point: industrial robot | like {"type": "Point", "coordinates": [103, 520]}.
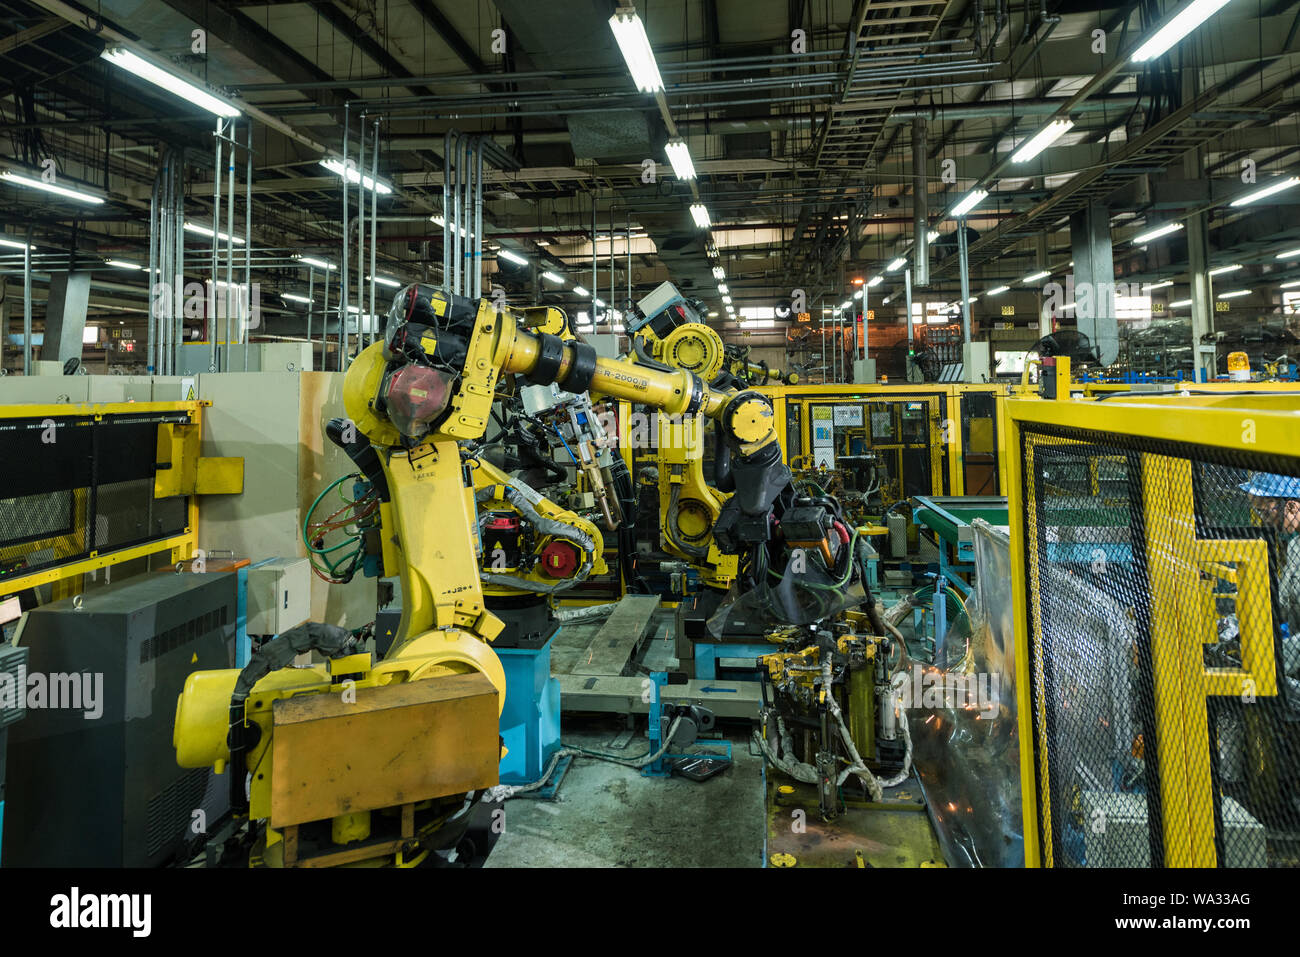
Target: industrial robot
{"type": "Point", "coordinates": [357, 761]}
{"type": "Point", "coordinates": [667, 332]}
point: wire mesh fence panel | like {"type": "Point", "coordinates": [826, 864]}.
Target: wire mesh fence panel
{"type": "Point", "coordinates": [1164, 600]}
{"type": "Point", "coordinates": [75, 486]}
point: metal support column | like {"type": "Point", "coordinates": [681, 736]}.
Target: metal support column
{"type": "Point", "coordinates": [361, 226]}
{"type": "Point", "coordinates": [374, 227]}
{"type": "Point", "coordinates": [27, 303]}
{"type": "Point", "coordinates": [343, 267]}
{"type": "Point", "coordinates": [920, 206]}
{"type": "Point", "coordinates": [216, 228]}
{"type": "Point", "coordinates": [311, 304]}
{"type": "Point", "coordinates": [965, 279]}
{"type": "Point", "coordinates": [246, 299]}
{"type": "Point", "coordinates": [230, 249]}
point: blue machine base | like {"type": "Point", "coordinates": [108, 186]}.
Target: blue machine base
{"type": "Point", "coordinates": [530, 723]}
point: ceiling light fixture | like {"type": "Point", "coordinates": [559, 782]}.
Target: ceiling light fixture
{"type": "Point", "coordinates": [336, 167]}
{"type": "Point", "coordinates": [680, 156]}
{"type": "Point", "coordinates": [166, 80]}
{"type": "Point", "coordinates": [1156, 233]}
{"type": "Point", "coordinates": [1269, 190]}
{"type": "Point", "coordinates": [18, 179]}
{"type": "Point", "coordinates": [630, 33]}
{"type": "Point", "coordinates": [1041, 140]}
{"type": "Point", "coordinates": [969, 202]}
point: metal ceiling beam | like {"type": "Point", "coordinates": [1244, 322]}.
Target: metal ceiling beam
{"type": "Point", "coordinates": [23, 37]}
{"type": "Point", "coordinates": [240, 32]}
{"type": "Point", "coordinates": [366, 43]}
{"type": "Point", "coordinates": [450, 36]}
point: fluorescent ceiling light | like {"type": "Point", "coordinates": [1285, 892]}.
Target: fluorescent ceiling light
{"type": "Point", "coordinates": [166, 80]}
{"type": "Point", "coordinates": [207, 231]}
{"type": "Point", "coordinates": [1184, 22]}
{"type": "Point", "coordinates": [1181, 303]}
{"type": "Point", "coordinates": [385, 281]}
{"type": "Point", "coordinates": [845, 305]}
{"type": "Point", "coordinates": [680, 156]}
{"type": "Point", "coordinates": [601, 303]}
{"type": "Point", "coordinates": [722, 288]}
{"type": "Point", "coordinates": [553, 277]}
{"type": "Point", "coordinates": [973, 299]}
{"type": "Point", "coordinates": [20, 180]}
{"type": "Point", "coordinates": [720, 273]}
{"type": "Point", "coordinates": [12, 244]}
{"type": "Point", "coordinates": [726, 300]}
{"type": "Point", "coordinates": [885, 301]}
{"type": "Point", "coordinates": [1160, 285]}
{"type": "Point", "coordinates": [858, 294]}
{"type": "Point", "coordinates": [1292, 284]}
{"type": "Point", "coordinates": [1234, 294]}
{"type": "Point", "coordinates": [897, 264]}
{"type": "Point", "coordinates": [1156, 233]}
{"type": "Point", "coordinates": [630, 33]}
{"type": "Point", "coordinates": [969, 202]}
{"type": "Point", "coordinates": [336, 167]}
{"type": "Point", "coordinates": [121, 264]}
{"type": "Point", "coordinates": [876, 281]}
{"type": "Point", "coordinates": [700, 215]}
{"type": "Point", "coordinates": [1041, 140]}
{"type": "Point", "coordinates": [435, 218]}
{"type": "Point", "coordinates": [932, 235]}
{"type": "Point", "coordinates": [511, 257]}
{"type": "Point", "coordinates": [1289, 254]}
{"type": "Point", "coordinates": [1269, 190]}
{"type": "Point", "coordinates": [580, 291]}
{"type": "Point", "coordinates": [294, 297]}
{"type": "Point", "coordinates": [316, 263]}
{"type": "Point", "coordinates": [1222, 269]}
{"type": "Point", "coordinates": [997, 290]}
{"type": "Point", "coordinates": [713, 315]}
{"type": "Point", "coordinates": [1034, 277]}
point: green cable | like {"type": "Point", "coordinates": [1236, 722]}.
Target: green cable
{"type": "Point", "coordinates": [332, 566]}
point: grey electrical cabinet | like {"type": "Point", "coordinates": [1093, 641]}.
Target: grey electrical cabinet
{"type": "Point", "coordinates": [93, 779]}
{"type": "Point", "coordinates": [279, 595]}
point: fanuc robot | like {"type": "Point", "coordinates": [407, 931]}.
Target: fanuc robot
{"type": "Point", "coordinates": [668, 333]}
{"type": "Point", "coordinates": [368, 762]}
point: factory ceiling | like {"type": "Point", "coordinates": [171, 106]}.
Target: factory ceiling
{"type": "Point", "coordinates": [799, 114]}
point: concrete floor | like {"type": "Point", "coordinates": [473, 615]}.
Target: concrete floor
{"type": "Point", "coordinates": [606, 815]}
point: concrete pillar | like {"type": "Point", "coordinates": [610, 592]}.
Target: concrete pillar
{"type": "Point", "coordinates": [1198, 240]}
{"type": "Point", "coordinates": [1094, 280]}
{"type": "Point", "coordinates": [1040, 263]}
{"type": "Point", "coordinates": [65, 315]}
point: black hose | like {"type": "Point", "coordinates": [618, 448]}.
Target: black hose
{"type": "Point", "coordinates": [723, 480]}
{"type": "Point", "coordinates": [330, 640]}
{"type": "Point", "coordinates": [625, 492]}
